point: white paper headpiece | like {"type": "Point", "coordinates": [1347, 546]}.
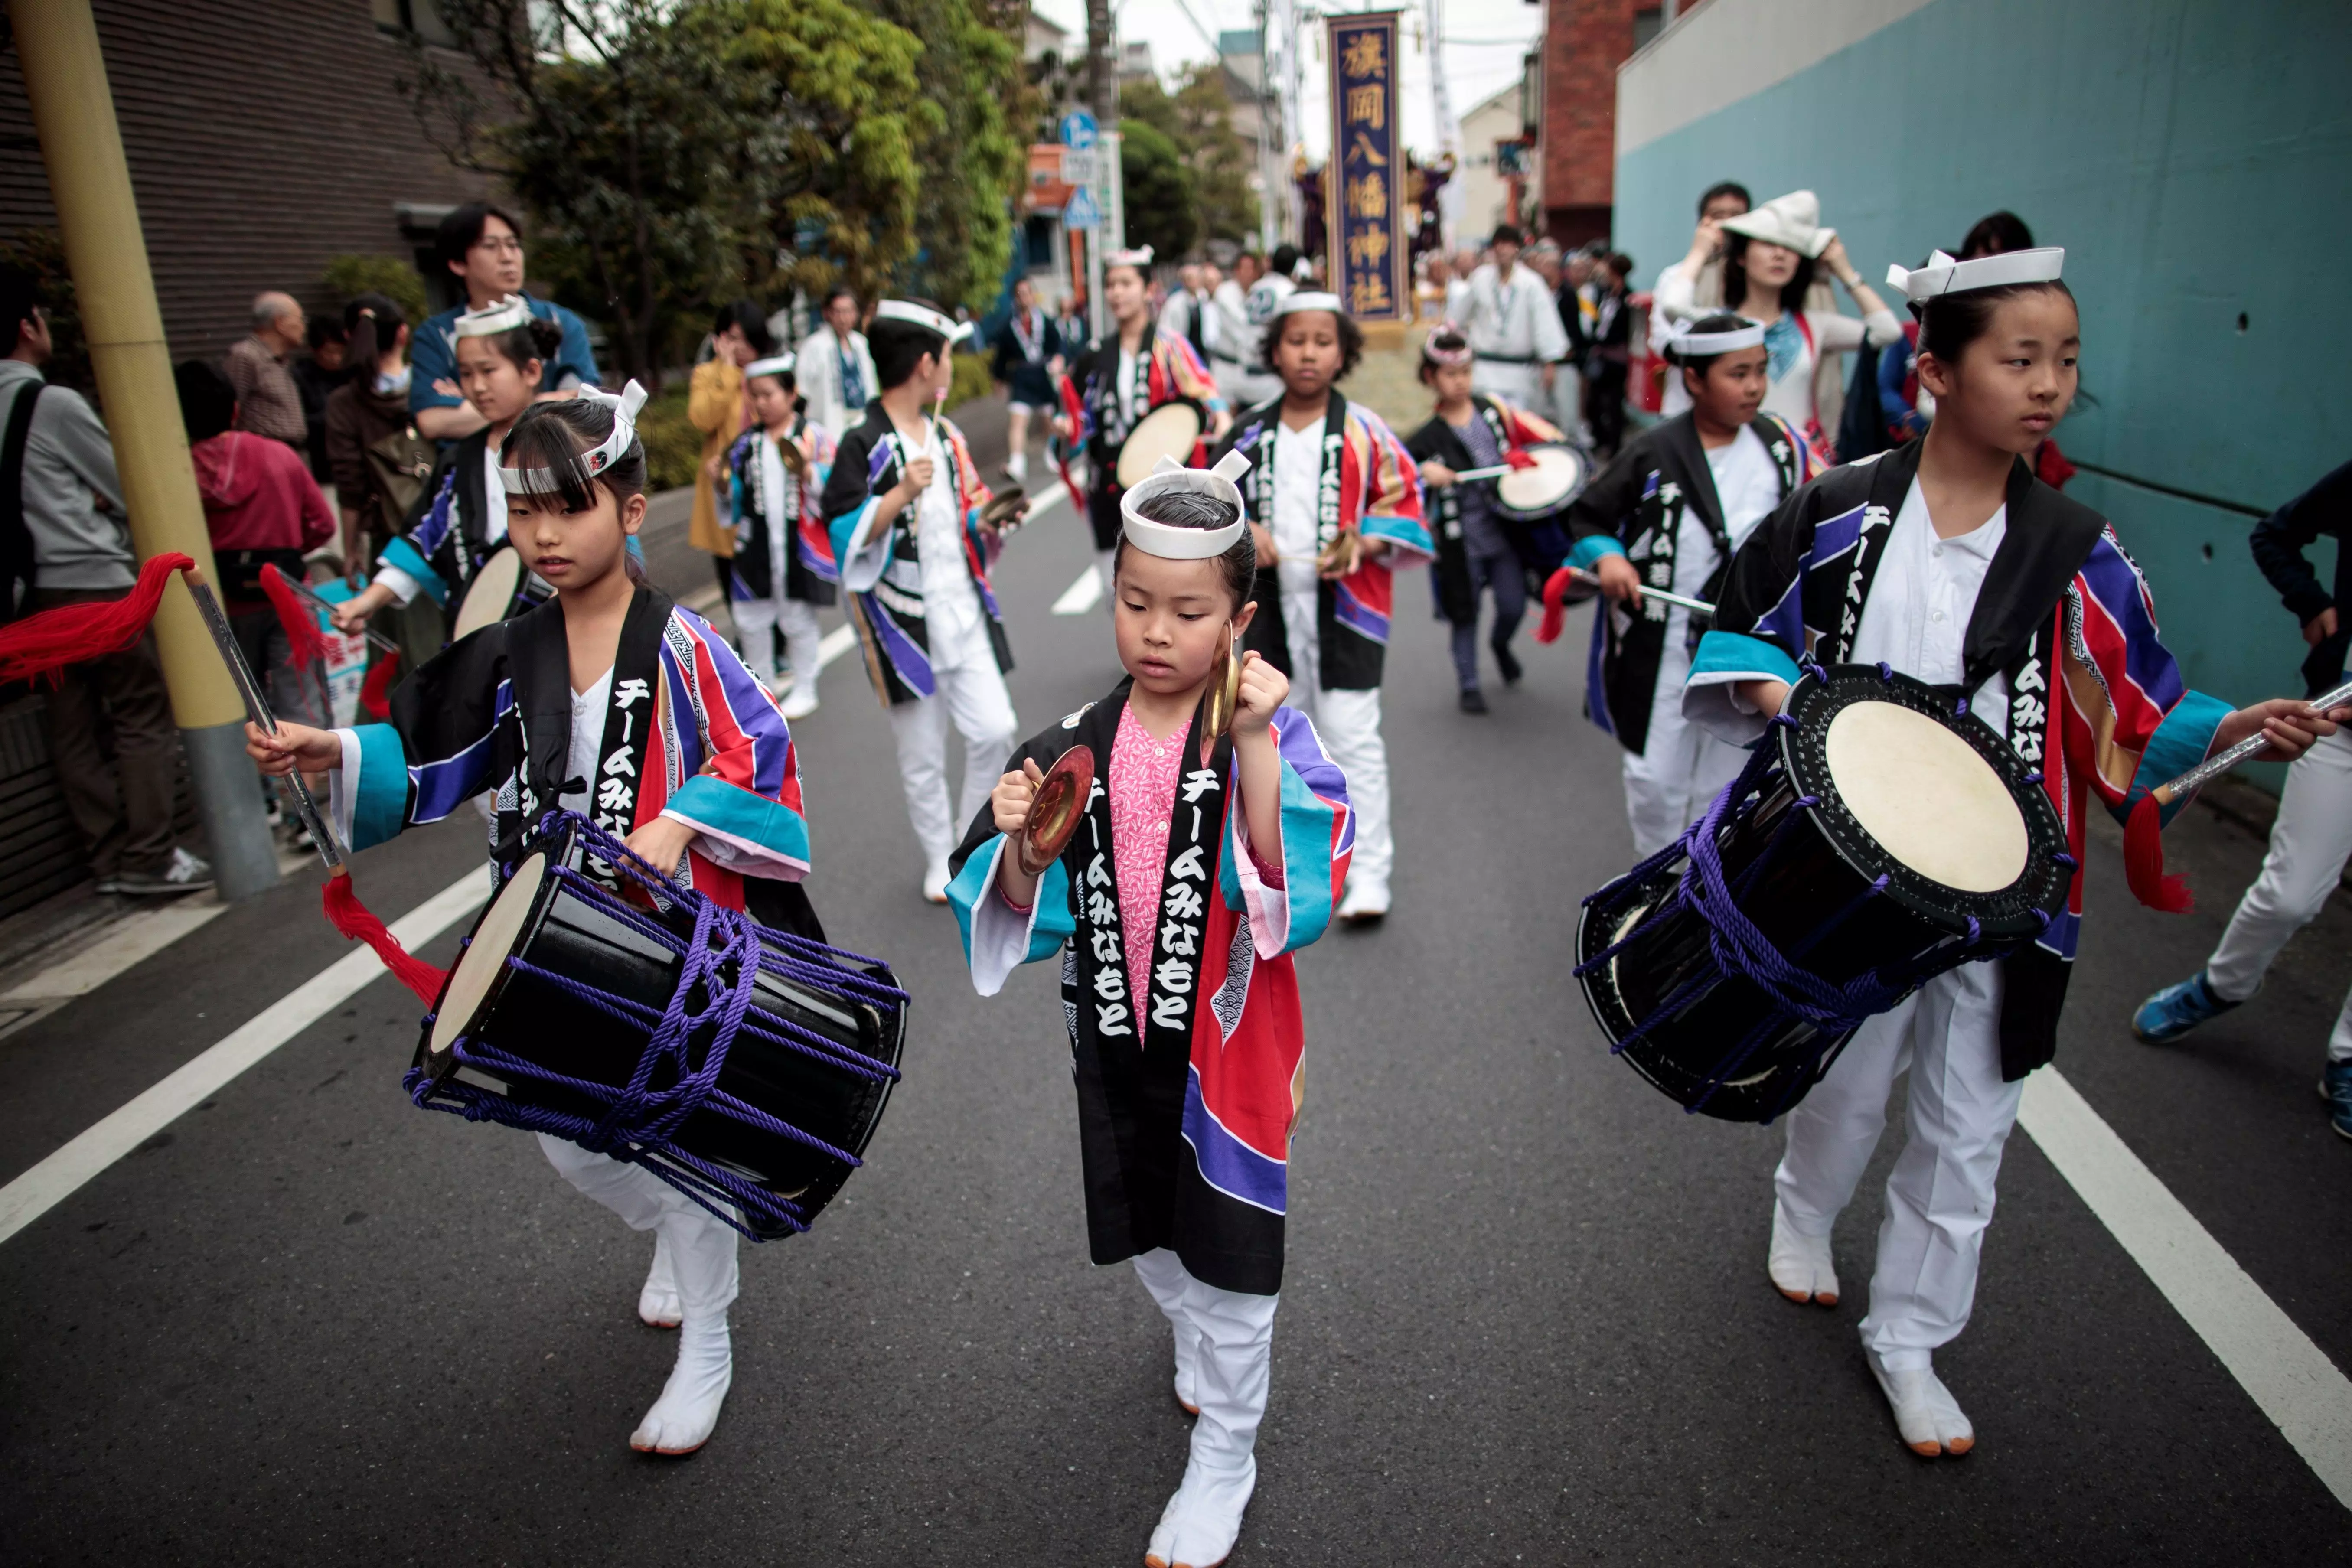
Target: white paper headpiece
{"type": "Point", "coordinates": [1687, 343]}
{"type": "Point", "coordinates": [1186, 544]}
{"type": "Point", "coordinates": [1310, 300]}
{"type": "Point", "coordinates": [498, 316]}
{"type": "Point", "coordinates": [948, 327]}
{"type": "Point", "coordinates": [1942, 274]}
{"type": "Point", "coordinates": [1138, 258]}
{"type": "Point", "coordinates": [774, 364]}
{"type": "Point", "coordinates": [625, 404]}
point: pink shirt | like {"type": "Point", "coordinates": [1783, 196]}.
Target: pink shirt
{"type": "Point", "coordinates": [1142, 790]}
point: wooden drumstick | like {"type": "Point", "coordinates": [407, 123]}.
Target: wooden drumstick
{"type": "Point", "coordinates": [2253, 746]}
{"type": "Point", "coordinates": [216, 622]}
{"type": "Point", "coordinates": [1696, 606]}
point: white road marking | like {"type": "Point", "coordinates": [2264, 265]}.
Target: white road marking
{"type": "Point", "coordinates": [2290, 1378]}
{"type": "Point", "coordinates": [838, 641]}
{"type": "Point", "coordinates": [124, 943]}
{"type": "Point", "coordinates": [57, 1178]}
{"type": "Point", "coordinates": [1081, 596]}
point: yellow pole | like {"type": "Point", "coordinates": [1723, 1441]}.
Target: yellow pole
{"type": "Point", "coordinates": [90, 184]}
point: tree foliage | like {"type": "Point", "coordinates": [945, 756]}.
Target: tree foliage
{"type": "Point", "coordinates": [1158, 190]}
{"type": "Point", "coordinates": [974, 96]}
{"type": "Point", "coordinates": [1198, 119]}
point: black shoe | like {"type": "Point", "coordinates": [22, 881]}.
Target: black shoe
{"type": "Point", "coordinates": [1473, 701]}
{"type": "Point", "coordinates": [1507, 663]}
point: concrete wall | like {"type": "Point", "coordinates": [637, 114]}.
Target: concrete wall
{"type": "Point", "coordinates": [1583, 42]}
{"type": "Point", "coordinates": [2193, 156]}
{"type": "Point", "coordinates": [1485, 196]}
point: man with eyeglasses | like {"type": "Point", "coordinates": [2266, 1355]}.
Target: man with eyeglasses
{"type": "Point", "coordinates": [482, 247]}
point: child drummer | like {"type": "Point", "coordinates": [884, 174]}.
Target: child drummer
{"type": "Point", "coordinates": [903, 507]}
{"type": "Point", "coordinates": [691, 763]}
{"type": "Point", "coordinates": [1668, 513]}
{"type": "Point", "coordinates": [1201, 863]}
{"type": "Point", "coordinates": [1134, 369]}
{"type": "Point", "coordinates": [1948, 560]}
{"type": "Point", "coordinates": [783, 555]}
{"type": "Point", "coordinates": [1334, 502]}
{"type": "Point", "coordinates": [1476, 554]}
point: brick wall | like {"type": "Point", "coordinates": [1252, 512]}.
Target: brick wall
{"type": "Point", "coordinates": [264, 137]}
{"type": "Point", "coordinates": [1584, 43]}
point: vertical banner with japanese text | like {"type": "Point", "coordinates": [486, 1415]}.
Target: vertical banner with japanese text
{"type": "Point", "coordinates": [1364, 184]}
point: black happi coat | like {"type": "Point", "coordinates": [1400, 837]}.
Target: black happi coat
{"type": "Point", "coordinates": [770, 537]}
{"type": "Point", "coordinates": [1144, 1188]}
{"type": "Point", "coordinates": [1457, 594]}
{"type": "Point", "coordinates": [1640, 499]}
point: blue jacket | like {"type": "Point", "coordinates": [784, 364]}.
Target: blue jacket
{"type": "Point", "coordinates": [433, 354]}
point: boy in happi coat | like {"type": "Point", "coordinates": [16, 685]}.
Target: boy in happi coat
{"type": "Point", "coordinates": [903, 508]}
{"type": "Point", "coordinates": [610, 701]}
{"type": "Point", "coordinates": [1201, 862]}
{"type": "Point", "coordinates": [1948, 560]}
{"type": "Point", "coordinates": [1669, 513]}
{"type": "Point", "coordinates": [784, 565]}
{"type": "Point", "coordinates": [1334, 504]}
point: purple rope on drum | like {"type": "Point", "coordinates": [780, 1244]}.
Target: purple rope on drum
{"type": "Point", "coordinates": [637, 1121]}
{"type": "Point", "coordinates": [1740, 949]}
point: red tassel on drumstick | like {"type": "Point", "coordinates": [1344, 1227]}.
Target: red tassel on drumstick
{"type": "Point", "coordinates": [39, 646]}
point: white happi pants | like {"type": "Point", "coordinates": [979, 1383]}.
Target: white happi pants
{"type": "Point", "coordinates": [1939, 1196]}
{"type": "Point", "coordinates": [1350, 725]}
{"type": "Point", "coordinates": [1520, 385]}
{"type": "Point", "coordinates": [756, 621]}
{"type": "Point", "coordinates": [1681, 768]}
{"type": "Point", "coordinates": [2310, 842]}
{"type": "Point", "coordinates": [970, 693]}
{"type": "Point", "coordinates": [1233, 1336]}
{"type": "Point", "coordinates": [701, 1244]}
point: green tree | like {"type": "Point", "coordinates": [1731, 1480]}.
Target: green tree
{"type": "Point", "coordinates": [1197, 122]}
{"type": "Point", "coordinates": [1158, 190]}
{"type": "Point", "coordinates": [974, 92]}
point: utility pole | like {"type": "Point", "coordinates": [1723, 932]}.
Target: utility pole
{"type": "Point", "coordinates": [90, 184]}
{"type": "Point", "coordinates": [1102, 91]}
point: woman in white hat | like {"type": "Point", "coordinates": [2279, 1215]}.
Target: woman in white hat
{"type": "Point", "coordinates": [1772, 258]}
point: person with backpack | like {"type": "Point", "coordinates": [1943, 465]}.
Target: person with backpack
{"type": "Point", "coordinates": [64, 540]}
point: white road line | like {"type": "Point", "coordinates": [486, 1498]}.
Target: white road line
{"type": "Point", "coordinates": [2290, 1378]}
{"type": "Point", "coordinates": [1081, 596]}
{"type": "Point", "coordinates": [124, 943]}
{"type": "Point", "coordinates": [838, 641]}
{"type": "Point", "coordinates": [54, 1179]}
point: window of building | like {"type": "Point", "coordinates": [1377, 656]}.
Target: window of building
{"type": "Point", "coordinates": [1646, 23]}
{"type": "Point", "coordinates": [417, 18]}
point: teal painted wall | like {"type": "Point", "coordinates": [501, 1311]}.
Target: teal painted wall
{"type": "Point", "coordinates": [2195, 158]}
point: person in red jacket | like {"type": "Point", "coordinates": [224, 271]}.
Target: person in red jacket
{"type": "Point", "coordinates": [261, 507]}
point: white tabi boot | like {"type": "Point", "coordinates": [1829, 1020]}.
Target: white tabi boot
{"type": "Point", "coordinates": [1203, 1519]}
{"type": "Point", "coordinates": [702, 1252]}
{"type": "Point", "coordinates": [1163, 1275]}
{"type": "Point", "coordinates": [1926, 1413]}
{"type": "Point", "coordinates": [658, 1306]}
{"type": "Point", "coordinates": [1800, 1264]}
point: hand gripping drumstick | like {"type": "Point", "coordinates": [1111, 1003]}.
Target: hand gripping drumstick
{"type": "Point", "coordinates": [2253, 746]}
{"type": "Point", "coordinates": [1498, 471]}
{"type": "Point", "coordinates": [1698, 605]}
{"type": "Point", "coordinates": [257, 709]}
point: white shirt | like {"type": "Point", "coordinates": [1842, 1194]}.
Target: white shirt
{"type": "Point", "coordinates": [1298, 471]}
{"type": "Point", "coordinates": [1746, 487]}
{"type": "Point", "coordinates": [1921, 598]}
{"type": "Point", "coordinates": [494, 492]}
{"type": "Point", "coordinates": [777, 503]}
{"type": "Point", "coordinates": [587, 744]}
{"type": "Point", "coordinates": [1263, 295]}
{"type": "Point", "coordinates": [817, 375]}
{"type": "Point", "coordinates": [1791, 395]}
{"type": "Point", "coordinates": [1133, 400]}
{"type": "Point", "coordinates": [952, 614]}
{"type": "Point", "coordinates": [1229, 309]}
{"type": "Point", "coordinates": [1513, 317]}
{"type": "Point", "coordinates": [1457, 301]}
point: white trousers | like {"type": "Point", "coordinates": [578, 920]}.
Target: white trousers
{"type": "Point", "coordinates": [1939, 1196]}
{"type": "Point", "coordinates": [1233, 1336]}
{"type": "Point", "coordinates": [972, 696]}
{"type": "Point", "coordinates": [1682, 767]}
{"type": "Point", "coordinates": [1518, 385]}
{"type": "Point", "coordinates": [701, 1244]}
{"type": "Point", "coordinates": [756, 621]}
{"type": "Point", "coordinates": [2310, 842]}
{"type": "Point", "coordinates": [1350, 725]}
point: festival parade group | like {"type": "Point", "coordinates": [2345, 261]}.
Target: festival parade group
{"type": "Point", "coordinates": [1863, 712]}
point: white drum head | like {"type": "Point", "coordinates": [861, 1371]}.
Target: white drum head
{"type": "Point", "coordinates": [1558, 475]}
{"type": "Point", "coordinates": [1171, 430]}
{"type": "Point", "coordinates": [488, 595]}
{"type": "Point", "coordinates": [1927, 797]}
{"type": "Point", "coordinates": [486, 955]}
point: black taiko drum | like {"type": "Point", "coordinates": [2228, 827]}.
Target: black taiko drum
{"type": "Point", "coordinates": [553, 1007]}
{"type": "Point", "coordinates": [1879, 837]}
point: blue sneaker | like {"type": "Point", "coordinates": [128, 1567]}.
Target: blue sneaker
{"type": "Point", "coordinates": [2336, 1088]}
{"type": "Point", "coordinates": [2177, 1009]}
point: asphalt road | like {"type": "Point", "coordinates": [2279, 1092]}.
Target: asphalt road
{"type": "Point", "coordinates": [1527, 1317]}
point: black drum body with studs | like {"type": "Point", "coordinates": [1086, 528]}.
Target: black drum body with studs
{"type": "Point", "coordinates": [1882, 839]}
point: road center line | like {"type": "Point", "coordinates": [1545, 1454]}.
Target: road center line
{"type": "Point", "coordinates": [57, 1178]}
{"type": "Point", "coordinates": [1081, 596]}
{"type": "Point", "coordinates": [2289, 1376]}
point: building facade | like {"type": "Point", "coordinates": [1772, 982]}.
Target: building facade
{"type": "Point", "coordinates": [1584, 42]}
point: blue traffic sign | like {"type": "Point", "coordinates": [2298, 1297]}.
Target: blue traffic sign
{"type": "Point", "coordinates": [1079, 130]}
{"type": "Point", "coordinates": [1082, 211]}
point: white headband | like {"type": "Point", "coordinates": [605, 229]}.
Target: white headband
{"type": "Point", "coordinates": [1309, 299]}
{"type": "Point", "coordinates": [1942, 274]}
{"type": "Point", "coordinates": [948, 327]}
{"type": "Point", "coordinates": [1139, 258]}
{"type": "Point", "coordinates": [502, 316]}
{"type": "Point", "coordinates": [625, 405]}
{"type": "Point", "coordinates": [778, 364]}
{"type": "Point", "coordinates": [1687, 343]}
{"type": "Point", "coordinates": [1186, 544]}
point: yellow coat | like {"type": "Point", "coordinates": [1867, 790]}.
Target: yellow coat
{"type": "Point", "coordinates": [714, 402]}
